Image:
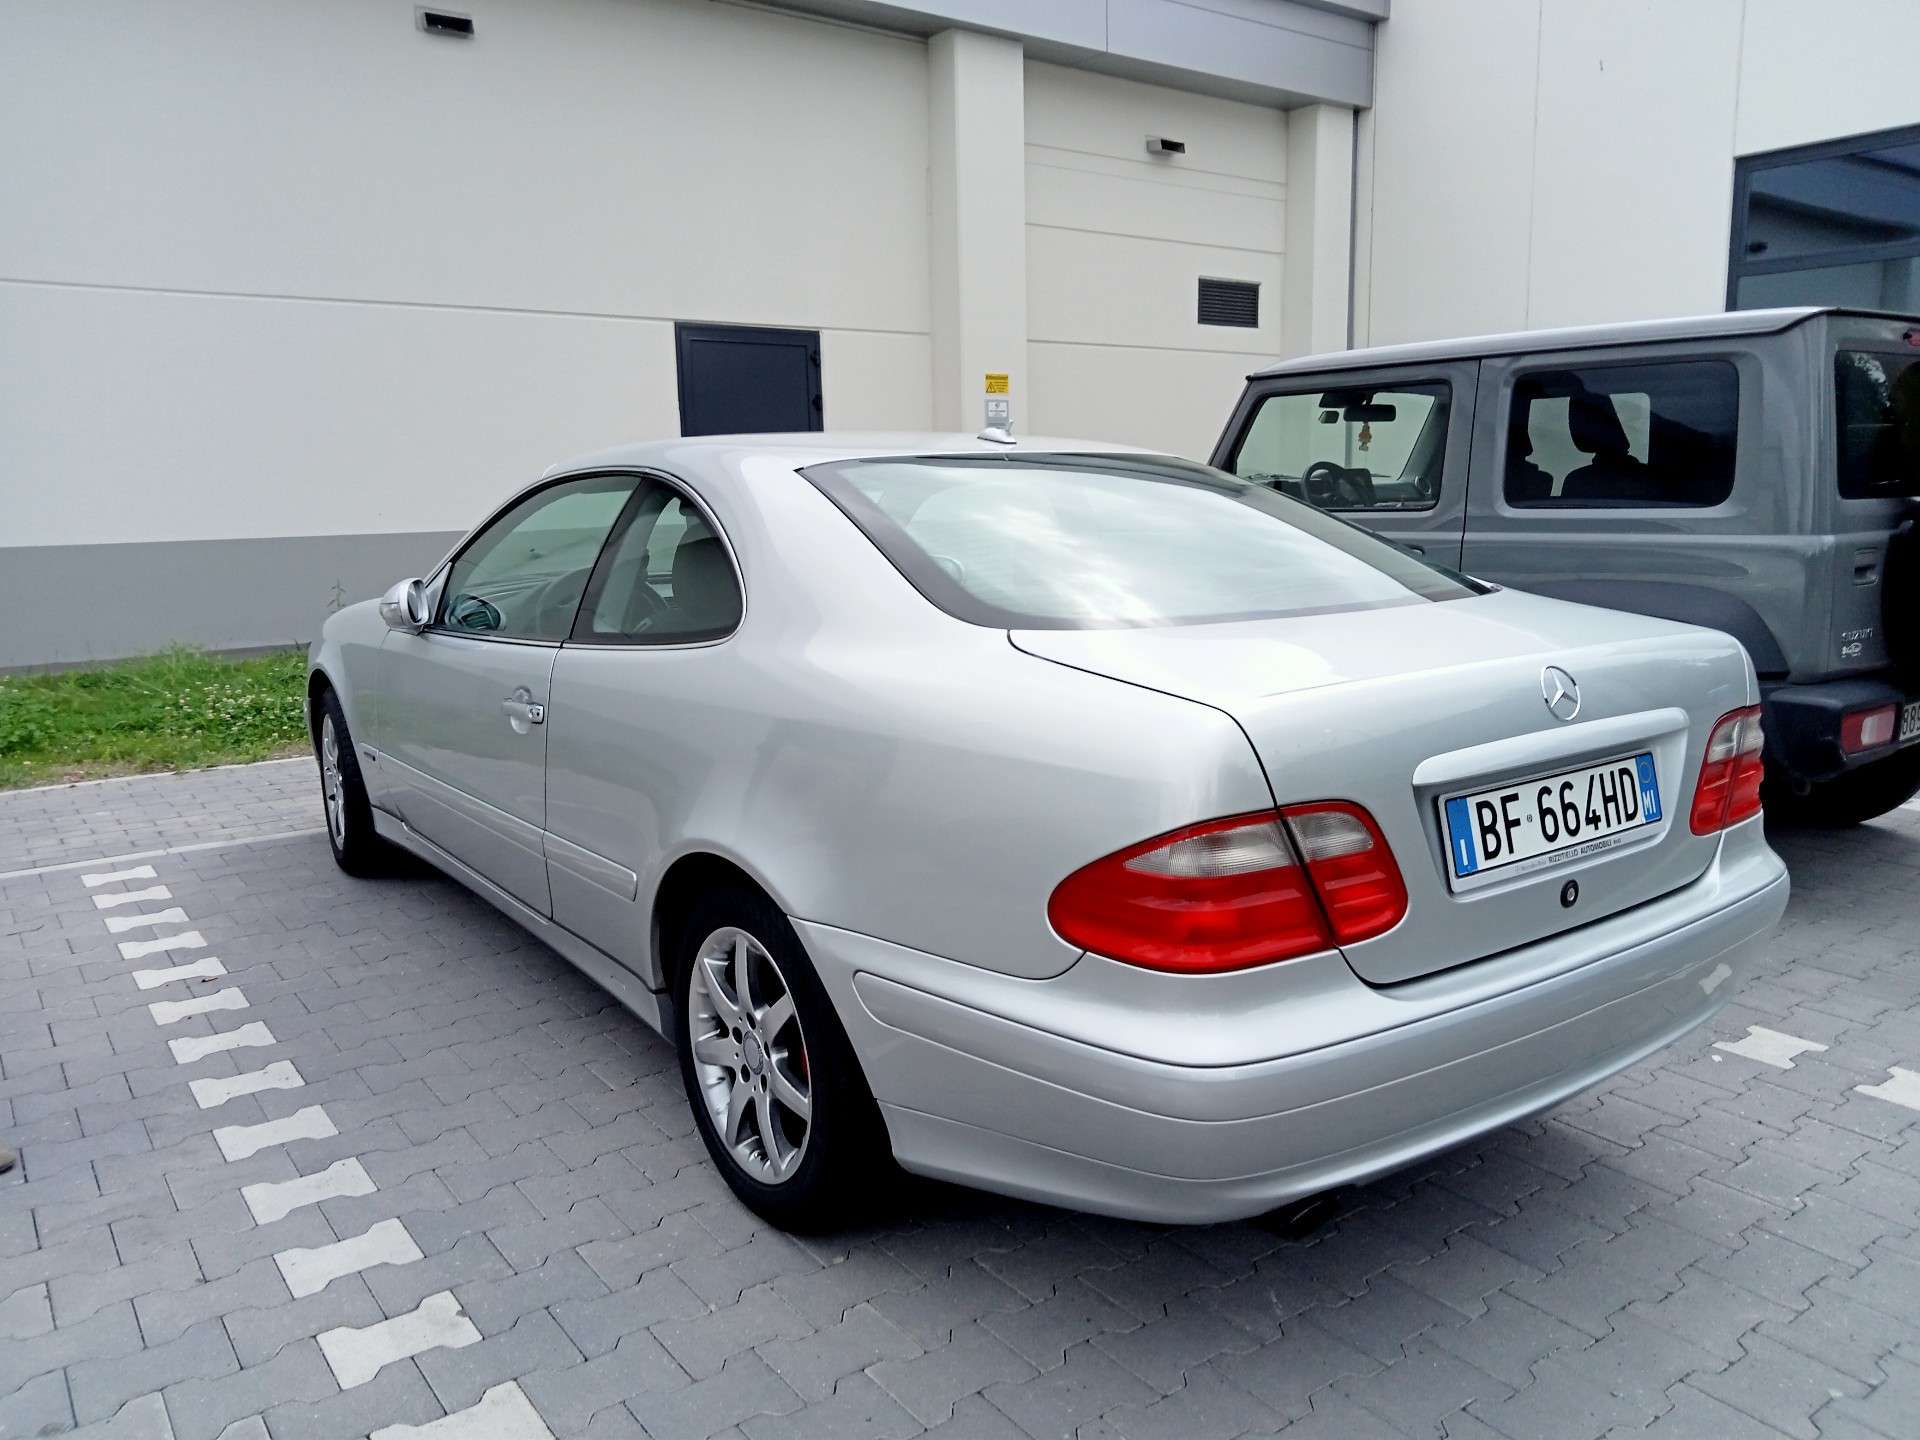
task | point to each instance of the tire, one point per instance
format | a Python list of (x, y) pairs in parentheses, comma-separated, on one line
[(1853, 798), (357, 849), (810, 1172)]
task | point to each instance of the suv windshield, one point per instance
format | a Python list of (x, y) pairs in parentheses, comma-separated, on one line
[(1877, 399), (1098, 541)]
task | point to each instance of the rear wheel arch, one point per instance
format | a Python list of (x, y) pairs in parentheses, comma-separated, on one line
[(690, 876)]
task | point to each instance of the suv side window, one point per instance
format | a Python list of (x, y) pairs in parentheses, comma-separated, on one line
[(665, 580), (521, 578), (1353, 448), (1633, 435)]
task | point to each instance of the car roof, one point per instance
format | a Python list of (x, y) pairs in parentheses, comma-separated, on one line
[(708, 453), (1574, 337)]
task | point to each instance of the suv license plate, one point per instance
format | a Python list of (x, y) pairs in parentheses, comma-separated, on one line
[(1910, 720), (1550, 819)]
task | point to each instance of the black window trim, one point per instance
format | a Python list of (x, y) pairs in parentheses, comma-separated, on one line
[(603, 562), (1740, 265), (1549, 363), (1363, 380), (443, 572)]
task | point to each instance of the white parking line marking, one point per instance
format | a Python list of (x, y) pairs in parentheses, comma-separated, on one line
[(128, 897), (237, 1142), (1769, 1047), (114, 877), (504, 1413), (120, 924), (205, 845), (185, 940), (197, 1047), (219, 1090), (1902, 1089), (308, 1272), (358, 1355), (275, 1200), (166, 1012), (206, 969)]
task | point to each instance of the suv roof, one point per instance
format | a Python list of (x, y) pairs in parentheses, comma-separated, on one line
[(1632, 332)]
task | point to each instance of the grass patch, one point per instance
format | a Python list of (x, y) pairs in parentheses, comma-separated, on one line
[(172, 711)]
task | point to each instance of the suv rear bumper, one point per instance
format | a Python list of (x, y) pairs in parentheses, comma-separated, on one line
[(1803, 725)]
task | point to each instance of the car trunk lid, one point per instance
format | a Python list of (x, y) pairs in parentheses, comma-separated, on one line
[(1398, 708)]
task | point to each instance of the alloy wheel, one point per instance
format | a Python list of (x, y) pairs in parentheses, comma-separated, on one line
[(750, 1055), (332, 787)]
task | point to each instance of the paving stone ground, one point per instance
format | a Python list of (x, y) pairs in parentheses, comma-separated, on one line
[(496, 1166)]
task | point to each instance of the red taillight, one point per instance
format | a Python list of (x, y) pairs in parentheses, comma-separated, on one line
[(1867, 729), (1353, 871), (1231, 893), (1730, 772)]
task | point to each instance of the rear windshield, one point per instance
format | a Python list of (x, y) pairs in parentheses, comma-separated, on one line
[(1877, 397), (1064, 542)]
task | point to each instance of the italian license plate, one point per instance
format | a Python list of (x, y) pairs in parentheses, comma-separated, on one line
[(1551, 819), (1910, 720)]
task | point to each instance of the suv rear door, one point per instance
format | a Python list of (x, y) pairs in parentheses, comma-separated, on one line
[(1384, 448), (1869, 368)]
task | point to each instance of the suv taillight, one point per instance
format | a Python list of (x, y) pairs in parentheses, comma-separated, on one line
[(1730, 773), (1231, 894)]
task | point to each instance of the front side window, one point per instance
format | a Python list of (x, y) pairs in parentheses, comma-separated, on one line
[(665, 580), (1624, 436), (1354, 448), (1877, 400), (1105, 541), (522, 577)]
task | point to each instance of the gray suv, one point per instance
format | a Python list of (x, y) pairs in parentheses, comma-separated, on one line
[(1754, 472)]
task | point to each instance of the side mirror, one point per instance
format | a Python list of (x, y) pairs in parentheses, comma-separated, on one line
[(404, 607)]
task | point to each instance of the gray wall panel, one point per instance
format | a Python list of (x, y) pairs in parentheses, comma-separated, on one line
[(66, 603)]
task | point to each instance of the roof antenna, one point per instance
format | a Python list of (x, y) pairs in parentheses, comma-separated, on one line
[(996, 434)]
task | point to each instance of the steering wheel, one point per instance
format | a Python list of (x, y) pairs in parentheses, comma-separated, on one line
[(1333, 484), (555, 602)]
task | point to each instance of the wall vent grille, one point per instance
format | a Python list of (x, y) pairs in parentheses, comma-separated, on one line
[(1230, 302)]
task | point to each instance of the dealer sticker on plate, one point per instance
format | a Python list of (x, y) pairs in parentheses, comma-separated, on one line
[(1551, 819)]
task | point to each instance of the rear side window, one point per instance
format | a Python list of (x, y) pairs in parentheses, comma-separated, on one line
[(1624, 436), (1066, 542), (665, 577), (1877, 399), (1355, 448)]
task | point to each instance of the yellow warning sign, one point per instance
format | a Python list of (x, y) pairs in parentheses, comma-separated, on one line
[(996, 383)]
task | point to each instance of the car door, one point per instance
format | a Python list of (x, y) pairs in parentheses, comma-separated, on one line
[(643, 728), (464, 723), (1386, 449)]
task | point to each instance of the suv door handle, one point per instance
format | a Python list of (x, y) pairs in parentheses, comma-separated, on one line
[(523, 712)]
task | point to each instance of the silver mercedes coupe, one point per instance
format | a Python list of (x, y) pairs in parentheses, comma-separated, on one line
[(1071, 821)]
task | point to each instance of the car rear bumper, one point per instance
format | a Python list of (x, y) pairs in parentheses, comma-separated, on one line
[(982, 1079), (1803, 725)]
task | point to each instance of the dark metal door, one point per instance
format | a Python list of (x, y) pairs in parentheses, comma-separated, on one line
[(738, 379)]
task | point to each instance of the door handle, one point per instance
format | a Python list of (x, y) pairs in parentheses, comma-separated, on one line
[(1416, 549), (523, 712)]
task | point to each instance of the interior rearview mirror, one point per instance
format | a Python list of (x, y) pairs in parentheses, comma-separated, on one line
[(404, 607), (1370, 414)]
